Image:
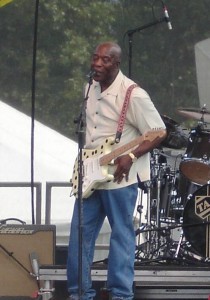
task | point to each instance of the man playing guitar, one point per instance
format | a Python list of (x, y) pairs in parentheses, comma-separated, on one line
[(114, 194)]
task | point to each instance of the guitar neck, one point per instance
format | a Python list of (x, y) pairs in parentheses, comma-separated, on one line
[(150, 135), (107, 158)]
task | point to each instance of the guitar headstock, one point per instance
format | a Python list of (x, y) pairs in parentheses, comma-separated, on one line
[(154, 133)]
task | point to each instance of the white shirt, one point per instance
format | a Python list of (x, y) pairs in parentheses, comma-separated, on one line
[(102, 116)]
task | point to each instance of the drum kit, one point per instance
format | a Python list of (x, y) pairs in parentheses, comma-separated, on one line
[(178, 196)]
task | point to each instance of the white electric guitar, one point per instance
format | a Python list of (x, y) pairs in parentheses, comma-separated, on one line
[(96, 161)]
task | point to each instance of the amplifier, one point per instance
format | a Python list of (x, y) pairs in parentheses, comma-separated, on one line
[(18, 244)]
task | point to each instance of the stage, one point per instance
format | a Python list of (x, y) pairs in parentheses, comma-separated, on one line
[(154, 281)]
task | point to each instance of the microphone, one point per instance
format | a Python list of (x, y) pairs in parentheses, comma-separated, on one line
[(91, 74), (34, 264), (167, 17)]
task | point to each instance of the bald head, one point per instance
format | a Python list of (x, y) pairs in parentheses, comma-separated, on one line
[(113, 49)]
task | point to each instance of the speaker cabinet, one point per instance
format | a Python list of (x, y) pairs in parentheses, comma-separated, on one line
[(17, 243)]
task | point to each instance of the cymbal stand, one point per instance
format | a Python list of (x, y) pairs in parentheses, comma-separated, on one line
[(155, 239), (144, 227), (149, 204), (140, 206), (148, 248), (149, 221), (151, 231), (157, 178), (159, 171)]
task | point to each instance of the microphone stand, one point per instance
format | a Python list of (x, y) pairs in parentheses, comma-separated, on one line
[(130, 39), (80, 121)]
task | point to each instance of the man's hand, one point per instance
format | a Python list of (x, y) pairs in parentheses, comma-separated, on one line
[(124, 164)]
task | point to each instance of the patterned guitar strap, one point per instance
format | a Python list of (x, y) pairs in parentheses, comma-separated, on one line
[(121, 121)]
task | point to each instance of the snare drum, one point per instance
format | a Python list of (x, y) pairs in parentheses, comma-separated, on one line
[(195, 170)]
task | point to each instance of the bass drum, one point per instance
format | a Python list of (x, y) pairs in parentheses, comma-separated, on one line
[(196, 221)]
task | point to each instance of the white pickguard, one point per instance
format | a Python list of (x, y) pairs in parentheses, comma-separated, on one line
[(93, 172)]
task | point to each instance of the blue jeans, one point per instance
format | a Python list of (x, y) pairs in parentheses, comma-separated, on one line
[(118, 205)]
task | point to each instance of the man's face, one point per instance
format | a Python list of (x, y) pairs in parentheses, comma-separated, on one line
[(105, 64)]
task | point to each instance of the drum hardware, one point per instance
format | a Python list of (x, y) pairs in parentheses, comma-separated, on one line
[(169, 198), (149, 222), (159, 243), (172, 199), (161, 178), (187, 257), (149, 244), (168, 250), (140, 208), (148, 249), (154, 249), (159, 173), (162, 252), (156, 239), (179, 244)]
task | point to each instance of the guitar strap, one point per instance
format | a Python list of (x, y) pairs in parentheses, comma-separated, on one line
[(121, 121)]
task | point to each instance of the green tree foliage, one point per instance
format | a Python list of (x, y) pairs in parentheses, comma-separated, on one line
[(162, 60), (67, 33)]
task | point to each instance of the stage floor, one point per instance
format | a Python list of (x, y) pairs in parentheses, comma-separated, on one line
[(152, 281)]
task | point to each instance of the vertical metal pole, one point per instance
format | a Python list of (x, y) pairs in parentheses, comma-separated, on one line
[(33, 89)]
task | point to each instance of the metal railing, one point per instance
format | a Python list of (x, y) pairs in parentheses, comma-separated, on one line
[(49, 186), (38, 200), (37, 186)]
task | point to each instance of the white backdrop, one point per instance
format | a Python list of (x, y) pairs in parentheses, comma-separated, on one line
[(54, 157), (202, 57)]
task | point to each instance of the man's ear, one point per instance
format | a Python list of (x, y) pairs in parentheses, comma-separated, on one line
[(117, 63)]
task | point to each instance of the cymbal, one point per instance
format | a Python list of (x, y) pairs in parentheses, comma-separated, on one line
[(201, 114)]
